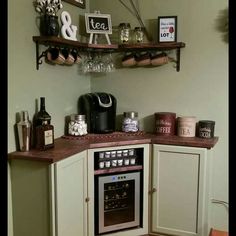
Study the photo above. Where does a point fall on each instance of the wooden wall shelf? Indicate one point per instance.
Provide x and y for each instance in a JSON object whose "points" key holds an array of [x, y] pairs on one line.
{"points": [[71, 44]]}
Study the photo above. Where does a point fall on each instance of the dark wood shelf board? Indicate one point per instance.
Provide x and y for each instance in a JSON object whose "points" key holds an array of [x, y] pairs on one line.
{"points": [[163, 46], [105, 48], [67, 147], [184, 141], [53, 40]]}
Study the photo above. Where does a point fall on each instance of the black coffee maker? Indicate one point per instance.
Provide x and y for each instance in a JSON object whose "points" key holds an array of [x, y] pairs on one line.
{"points": [[100, 111]]}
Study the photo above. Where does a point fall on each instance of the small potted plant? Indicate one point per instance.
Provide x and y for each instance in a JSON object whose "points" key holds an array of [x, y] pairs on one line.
{"points": [[49, 25]]}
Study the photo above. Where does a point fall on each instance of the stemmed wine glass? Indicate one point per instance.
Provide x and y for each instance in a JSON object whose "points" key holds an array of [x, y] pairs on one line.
{"points": [[110, 66], [88, 64]]}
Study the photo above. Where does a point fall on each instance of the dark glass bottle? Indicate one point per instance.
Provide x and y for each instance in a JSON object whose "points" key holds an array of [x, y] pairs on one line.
{"points": [[39, 118], [42, 115], [44, 136]]}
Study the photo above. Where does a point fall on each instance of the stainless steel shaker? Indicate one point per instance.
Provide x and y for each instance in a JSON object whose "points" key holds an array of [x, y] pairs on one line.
{"points": [[24, 131]]}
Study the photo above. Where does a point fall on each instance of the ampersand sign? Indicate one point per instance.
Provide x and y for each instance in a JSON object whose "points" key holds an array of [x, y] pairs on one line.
{"points": [[68, 31]]}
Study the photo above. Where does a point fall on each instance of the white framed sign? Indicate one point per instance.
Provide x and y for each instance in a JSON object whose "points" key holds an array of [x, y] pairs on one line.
{"points": [[78, 3], [167, 29], [98, 23]]}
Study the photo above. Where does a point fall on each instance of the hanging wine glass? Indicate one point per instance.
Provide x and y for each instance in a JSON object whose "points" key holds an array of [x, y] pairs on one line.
{"points": [[88, 64], [110, 66], [99, 65]]}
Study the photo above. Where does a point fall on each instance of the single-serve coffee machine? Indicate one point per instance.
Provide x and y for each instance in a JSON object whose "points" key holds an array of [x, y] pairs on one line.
{"points": [[100, 111]]}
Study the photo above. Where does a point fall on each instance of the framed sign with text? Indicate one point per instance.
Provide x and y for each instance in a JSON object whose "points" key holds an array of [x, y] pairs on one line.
{"points": [[78, 3], [98, 23], [167, 29]]}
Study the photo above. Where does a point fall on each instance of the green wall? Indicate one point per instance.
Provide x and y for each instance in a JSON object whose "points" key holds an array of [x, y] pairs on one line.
{"points": [[199, 89], [61, 85]]}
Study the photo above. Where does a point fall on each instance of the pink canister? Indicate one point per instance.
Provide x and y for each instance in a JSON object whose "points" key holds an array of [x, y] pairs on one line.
{"points": [[186, 126]]}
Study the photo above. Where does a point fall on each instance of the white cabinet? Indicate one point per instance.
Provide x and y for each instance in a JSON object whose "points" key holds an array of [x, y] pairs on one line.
{"points": [[50, 199], [180, 190], [69, 195]]}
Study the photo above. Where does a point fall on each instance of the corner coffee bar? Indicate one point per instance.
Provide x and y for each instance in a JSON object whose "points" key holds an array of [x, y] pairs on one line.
{"points": [[114, 181], [118, 144]]}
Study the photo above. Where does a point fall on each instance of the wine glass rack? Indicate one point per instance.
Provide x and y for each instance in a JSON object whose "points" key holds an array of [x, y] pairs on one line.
{"points": [[105, 48]]}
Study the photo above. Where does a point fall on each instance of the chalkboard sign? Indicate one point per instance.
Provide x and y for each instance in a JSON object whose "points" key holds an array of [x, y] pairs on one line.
{"points": [[98, 23]]}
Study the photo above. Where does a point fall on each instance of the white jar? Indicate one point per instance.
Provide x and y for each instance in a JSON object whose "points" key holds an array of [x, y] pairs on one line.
{"points": [[77, 126], [186, 126], [130, 122]]}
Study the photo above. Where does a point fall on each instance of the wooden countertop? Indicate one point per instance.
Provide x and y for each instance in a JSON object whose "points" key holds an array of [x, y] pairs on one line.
{"points": [[66, 146]]}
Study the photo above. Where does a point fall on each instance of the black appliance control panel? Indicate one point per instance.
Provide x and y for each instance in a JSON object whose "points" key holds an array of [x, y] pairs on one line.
{"points": [[111, 159]]}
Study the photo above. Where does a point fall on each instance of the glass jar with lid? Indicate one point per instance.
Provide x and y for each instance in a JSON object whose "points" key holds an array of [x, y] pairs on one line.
{"points": [[77, 125], [124, 33], [138, 35], [130, 122]]}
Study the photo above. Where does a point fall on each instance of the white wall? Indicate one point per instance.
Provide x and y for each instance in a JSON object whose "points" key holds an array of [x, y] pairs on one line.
{"points": [[199, 89]]}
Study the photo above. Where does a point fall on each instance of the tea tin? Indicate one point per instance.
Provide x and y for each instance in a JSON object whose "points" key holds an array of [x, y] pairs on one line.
{"points": [[186, 126]]}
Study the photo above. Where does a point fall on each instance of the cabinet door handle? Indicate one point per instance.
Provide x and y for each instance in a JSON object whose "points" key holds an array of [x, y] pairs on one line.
{"points": [[153, 190], [87, 199]]}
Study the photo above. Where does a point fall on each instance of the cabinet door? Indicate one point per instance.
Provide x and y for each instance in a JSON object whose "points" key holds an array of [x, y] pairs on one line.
{"points": [[178, 194], [70, 184]]}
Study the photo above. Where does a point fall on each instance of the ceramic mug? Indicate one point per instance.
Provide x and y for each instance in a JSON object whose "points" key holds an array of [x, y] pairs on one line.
{"points": [[77, 57], [55, 56], [69, 59]]}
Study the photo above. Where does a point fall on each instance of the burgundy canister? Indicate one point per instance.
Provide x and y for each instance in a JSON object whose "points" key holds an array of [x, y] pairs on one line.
{"points": [[206, 128], [165, 123]]}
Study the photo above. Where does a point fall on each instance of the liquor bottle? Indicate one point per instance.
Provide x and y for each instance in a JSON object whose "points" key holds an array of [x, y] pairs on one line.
{"points": [[41, 116], [44, 136]]}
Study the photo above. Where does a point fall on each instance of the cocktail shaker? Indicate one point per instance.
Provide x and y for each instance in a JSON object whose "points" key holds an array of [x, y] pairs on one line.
{"points": [[24, 131]]}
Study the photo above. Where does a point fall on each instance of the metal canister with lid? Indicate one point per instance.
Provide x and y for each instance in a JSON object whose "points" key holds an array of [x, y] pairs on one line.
{"points": [[130, 122], [77, 125], [206, 128]]}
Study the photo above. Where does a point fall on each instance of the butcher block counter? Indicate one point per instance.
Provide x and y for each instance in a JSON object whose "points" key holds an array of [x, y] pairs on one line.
{"points": [[66, 146]]}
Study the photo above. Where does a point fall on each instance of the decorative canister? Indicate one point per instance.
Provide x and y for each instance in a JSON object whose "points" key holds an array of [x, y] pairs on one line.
{"points": [[206, 128], [186, 126], [77, 125], [130, 122], [165, 123]]}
